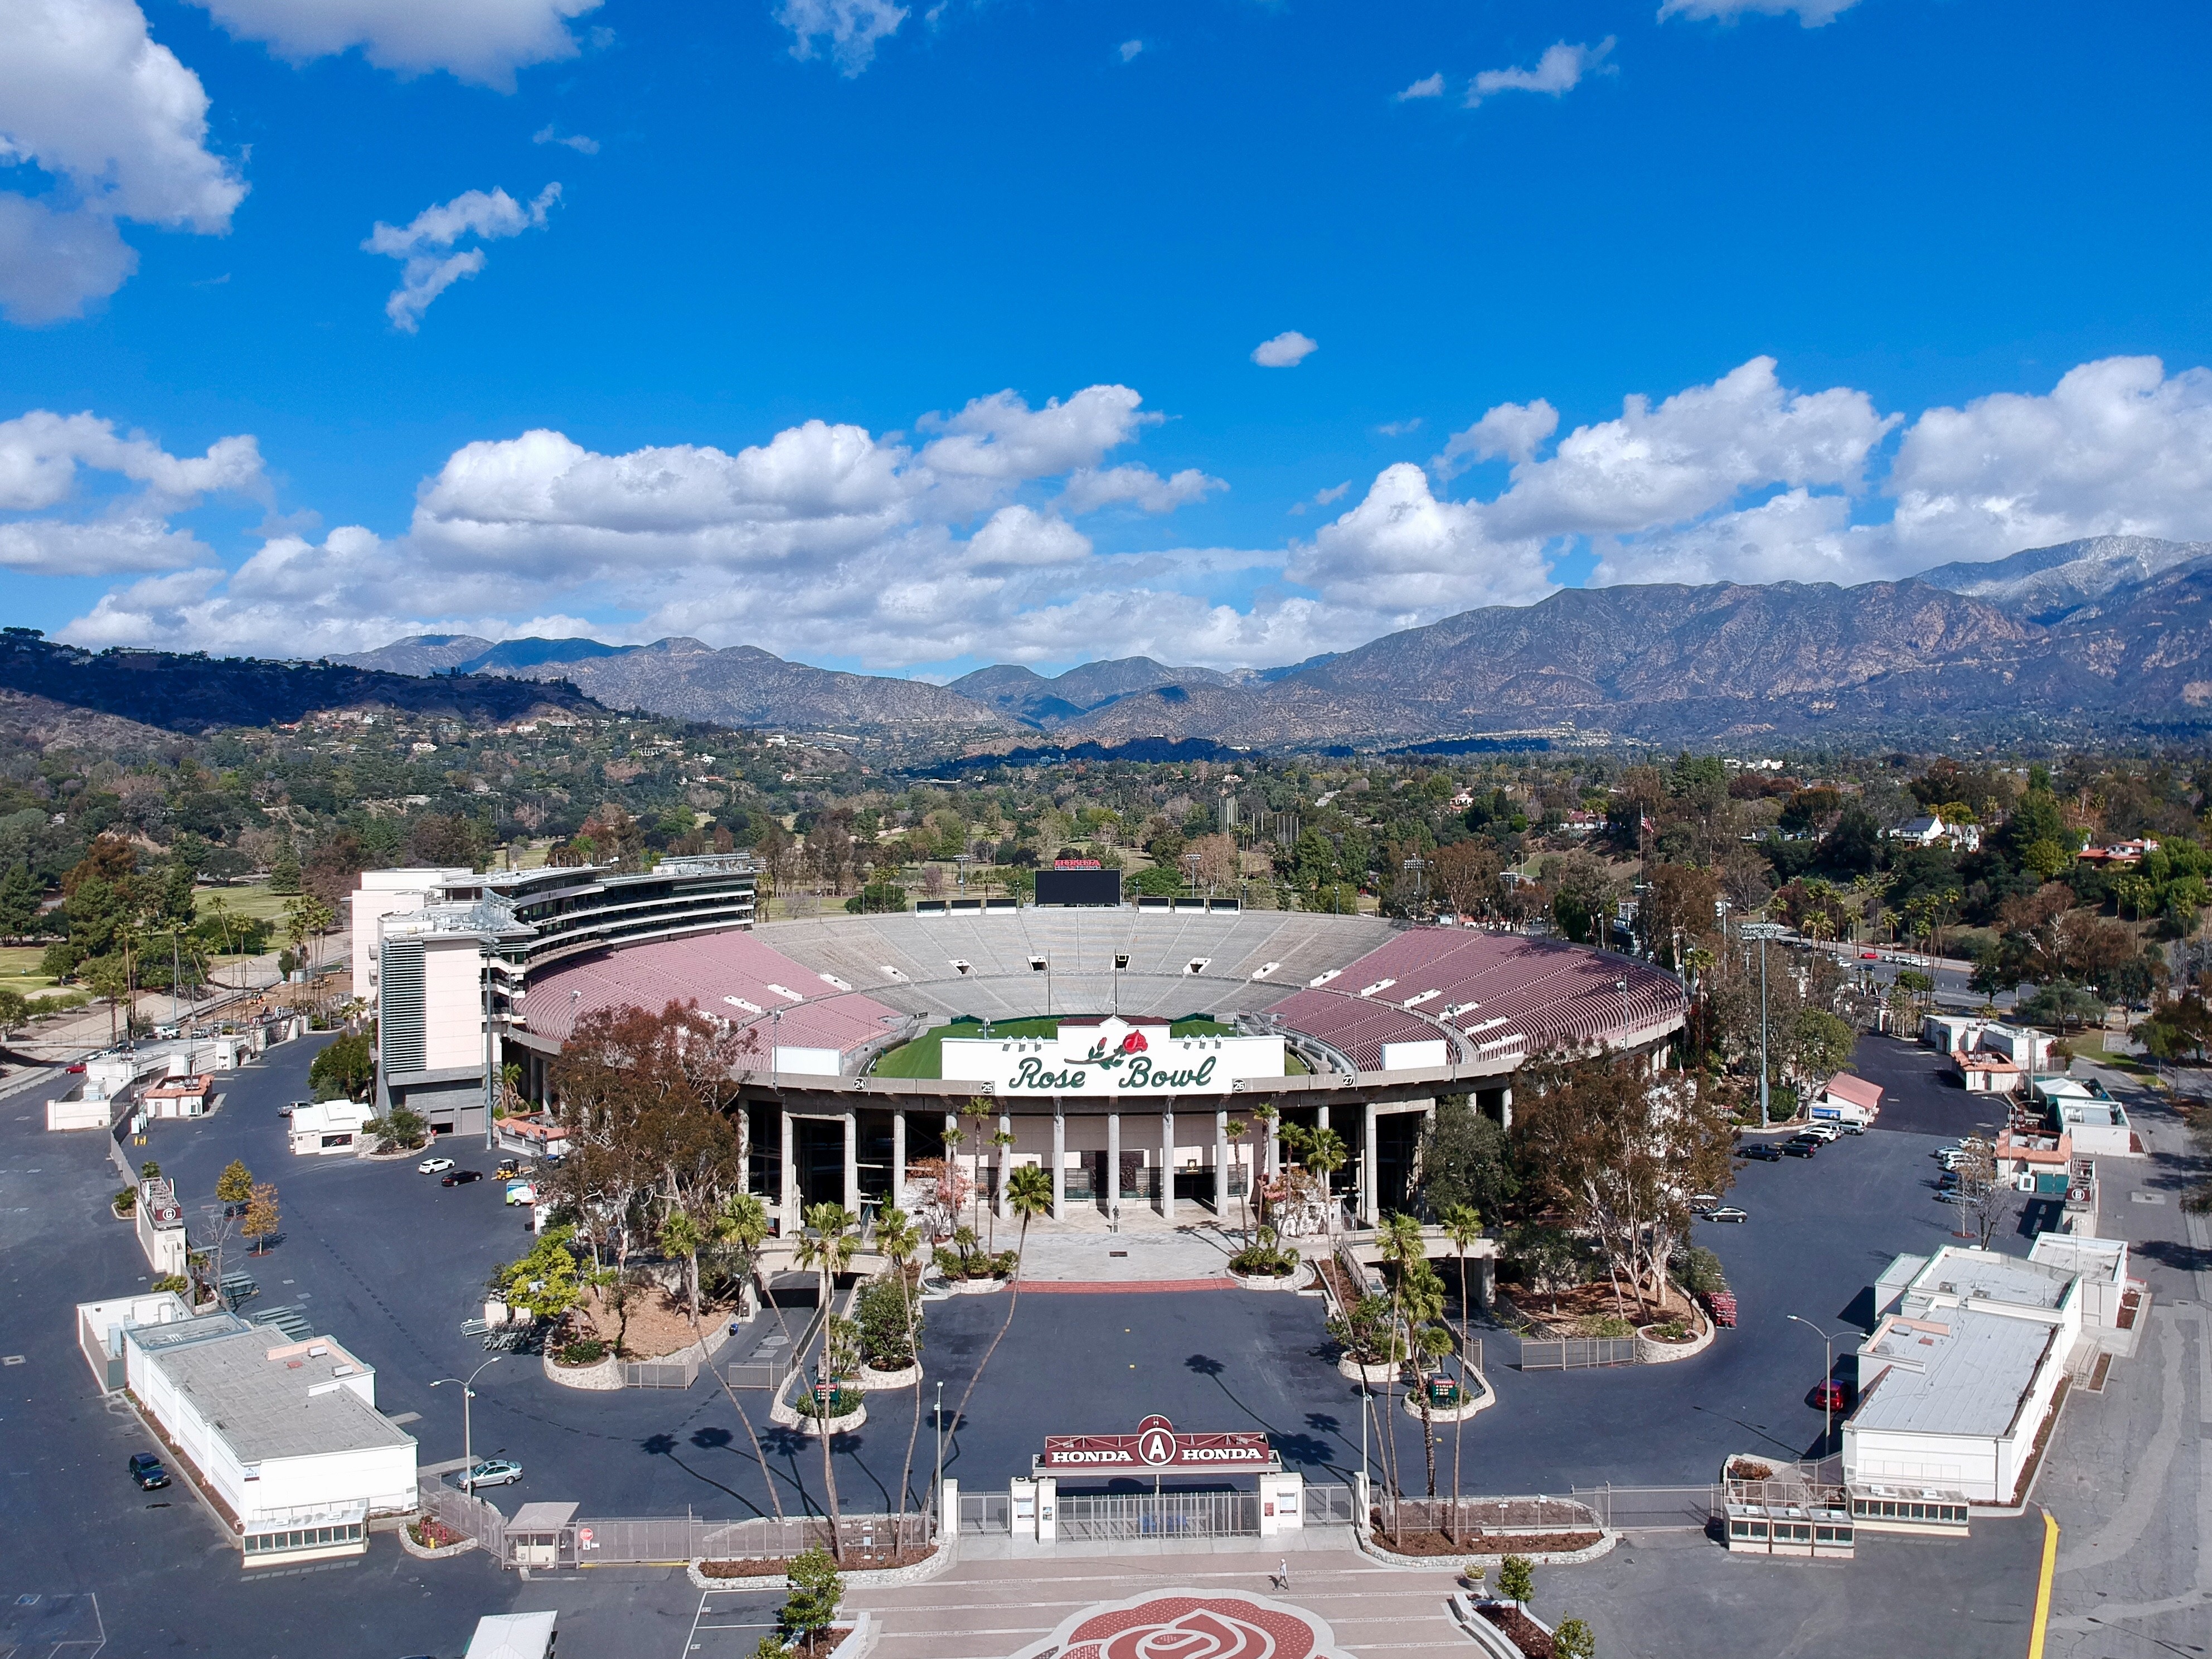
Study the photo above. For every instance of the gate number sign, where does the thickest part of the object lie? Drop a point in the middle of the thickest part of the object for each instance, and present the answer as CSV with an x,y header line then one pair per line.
x,y
1156,1445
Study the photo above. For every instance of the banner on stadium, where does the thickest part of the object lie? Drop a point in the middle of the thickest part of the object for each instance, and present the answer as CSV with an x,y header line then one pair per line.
x,y
1111,1057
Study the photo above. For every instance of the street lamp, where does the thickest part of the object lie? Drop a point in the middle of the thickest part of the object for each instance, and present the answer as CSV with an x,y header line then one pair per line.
x,y
1828,1378
468,1392
1762,930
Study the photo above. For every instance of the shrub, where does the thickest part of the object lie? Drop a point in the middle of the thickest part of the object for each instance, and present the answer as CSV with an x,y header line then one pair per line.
x,y
1366,1334
1604,1325
584,1351
1265,1256
126,1202
883,1311
176,1282
1673,1331
843,1403
1572,1639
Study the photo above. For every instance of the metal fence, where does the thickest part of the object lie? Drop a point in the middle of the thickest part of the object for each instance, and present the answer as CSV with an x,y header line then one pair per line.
x,y
1468,1518
770,1374
464,1512
660,1373
1329,1506
986,1511
1163,1514
1652,1508
1575,1352
671,1540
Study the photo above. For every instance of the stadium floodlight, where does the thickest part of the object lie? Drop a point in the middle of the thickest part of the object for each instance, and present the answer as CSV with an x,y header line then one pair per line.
x,y
1761,931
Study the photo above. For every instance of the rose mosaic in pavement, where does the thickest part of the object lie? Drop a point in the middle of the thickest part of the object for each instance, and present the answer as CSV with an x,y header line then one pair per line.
x,y
1180,1623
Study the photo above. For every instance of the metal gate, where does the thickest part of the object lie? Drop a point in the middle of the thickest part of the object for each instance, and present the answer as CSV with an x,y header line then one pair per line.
x,y
770,1374
1165,1515
1329,1506
1652,1508
986,1511
1575,1352
660,1373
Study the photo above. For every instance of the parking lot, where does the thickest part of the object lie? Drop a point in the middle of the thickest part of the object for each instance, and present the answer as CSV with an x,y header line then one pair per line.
x,y
393,1263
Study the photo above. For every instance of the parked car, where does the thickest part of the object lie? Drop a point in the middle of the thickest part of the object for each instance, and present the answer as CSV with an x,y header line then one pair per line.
x,y
1802,1145
1726,1213
1954,1195
1833,1395
461,1177
434,1166
521,1191
146,1469
1825,1130
492,1472
1870,955
1765,1151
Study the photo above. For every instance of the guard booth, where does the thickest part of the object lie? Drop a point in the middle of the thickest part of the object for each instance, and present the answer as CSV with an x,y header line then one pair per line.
x,y
1225,1483
542,1535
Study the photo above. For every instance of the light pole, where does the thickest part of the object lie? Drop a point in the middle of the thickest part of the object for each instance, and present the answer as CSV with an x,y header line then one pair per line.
x,y
1761,931
940,1416
468,1392
1827,1382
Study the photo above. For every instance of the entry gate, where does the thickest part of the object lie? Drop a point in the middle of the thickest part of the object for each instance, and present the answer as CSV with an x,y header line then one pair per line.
x,y
986,1511
1163,1514
1574,1352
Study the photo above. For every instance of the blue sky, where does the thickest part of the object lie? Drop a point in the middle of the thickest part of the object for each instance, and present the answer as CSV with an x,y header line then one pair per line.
x,y
916,338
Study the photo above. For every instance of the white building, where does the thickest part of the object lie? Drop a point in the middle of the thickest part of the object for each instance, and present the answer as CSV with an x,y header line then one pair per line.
x,y
2097,1123
285,1437
1957,1380
2100,1266
384,893
329,1127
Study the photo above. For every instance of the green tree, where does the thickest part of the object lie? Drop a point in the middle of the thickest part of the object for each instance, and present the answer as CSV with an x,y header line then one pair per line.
x,y
284,872
14,1013
346,1066
1465,1162
1517,1579
263,1219
1820,1045
816,1588
19,902
1572,1639
400,1129
681,1236
545,1283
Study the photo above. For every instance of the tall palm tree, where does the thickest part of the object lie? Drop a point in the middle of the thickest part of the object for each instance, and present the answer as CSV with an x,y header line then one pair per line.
x,y
1002,1140
1323,1154
828,1246
1401,1245
742,1222
899,1239
1235,1132
1264,1117
1462,1224
977,1111
681,1235
1029,1192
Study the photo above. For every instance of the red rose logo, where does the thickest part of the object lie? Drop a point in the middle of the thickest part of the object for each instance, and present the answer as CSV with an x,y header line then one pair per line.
x,y
1134,1043
1195,1625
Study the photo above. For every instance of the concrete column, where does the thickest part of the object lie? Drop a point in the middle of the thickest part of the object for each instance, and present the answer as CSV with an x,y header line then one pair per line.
x,y
1220,1166
853,1159
1167,1166
898,1159
787,1182
1112,1195
1367,1165
1058,1162
1321,1115
1505,1109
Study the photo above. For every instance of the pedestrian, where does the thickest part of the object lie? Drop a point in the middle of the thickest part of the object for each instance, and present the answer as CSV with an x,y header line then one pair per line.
x,y
1283,1574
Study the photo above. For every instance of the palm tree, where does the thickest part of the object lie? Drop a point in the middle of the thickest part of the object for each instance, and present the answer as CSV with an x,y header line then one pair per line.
x,y
977,1111
1324,1155
743,1222
1264,1117
1462,1224
828,1245
682,1236
898,1239
1402,1245
1028,1191
1003,1141
1236,1130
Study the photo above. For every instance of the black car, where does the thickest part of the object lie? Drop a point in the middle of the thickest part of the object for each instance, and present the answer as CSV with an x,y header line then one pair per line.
x,y
1802,1145
146,1469
1765,1151
461,1177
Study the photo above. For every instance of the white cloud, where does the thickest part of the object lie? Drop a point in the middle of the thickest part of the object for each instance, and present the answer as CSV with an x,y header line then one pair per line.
x,y
1321,498
1130,49
120,126
1511,430
1559,70
1429,86
2117,447
1811,13
1088,490
851,28
1286,350
1001,437
861,547
426,274
483,41
575,141
43,457
1399,428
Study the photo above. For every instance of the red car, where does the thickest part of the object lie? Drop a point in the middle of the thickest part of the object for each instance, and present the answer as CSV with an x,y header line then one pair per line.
x,y
1870,955
1832,1395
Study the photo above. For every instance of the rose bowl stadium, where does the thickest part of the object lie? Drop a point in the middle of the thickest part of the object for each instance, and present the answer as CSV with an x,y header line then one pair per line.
x,y
1114,1045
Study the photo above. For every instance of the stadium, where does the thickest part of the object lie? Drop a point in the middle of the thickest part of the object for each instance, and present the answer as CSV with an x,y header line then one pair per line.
x,y
1114,1045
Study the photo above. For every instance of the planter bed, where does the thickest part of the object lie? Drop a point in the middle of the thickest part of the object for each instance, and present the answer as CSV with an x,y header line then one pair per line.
x,y
873,1381
1375,1377
975,1286
1533,1545
1469,1407
1293,1280
856,1560
1517,1627
457,1544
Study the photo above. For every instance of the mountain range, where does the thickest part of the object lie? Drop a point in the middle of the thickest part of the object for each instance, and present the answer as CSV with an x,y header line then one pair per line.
x,y
2104,636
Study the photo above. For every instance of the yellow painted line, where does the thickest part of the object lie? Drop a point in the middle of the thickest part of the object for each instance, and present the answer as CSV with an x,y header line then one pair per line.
x,y
2043,1587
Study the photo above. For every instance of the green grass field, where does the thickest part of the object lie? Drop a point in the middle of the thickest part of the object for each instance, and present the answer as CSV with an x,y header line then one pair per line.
x,y
20,970
925,1056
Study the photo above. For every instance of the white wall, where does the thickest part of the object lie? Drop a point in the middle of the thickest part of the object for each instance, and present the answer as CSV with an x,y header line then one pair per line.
x,y
385,893
1954,1462
453,1003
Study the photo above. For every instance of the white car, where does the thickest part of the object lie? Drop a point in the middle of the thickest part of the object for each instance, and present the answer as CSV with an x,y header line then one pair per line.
x,y
434,1166
1826,1129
